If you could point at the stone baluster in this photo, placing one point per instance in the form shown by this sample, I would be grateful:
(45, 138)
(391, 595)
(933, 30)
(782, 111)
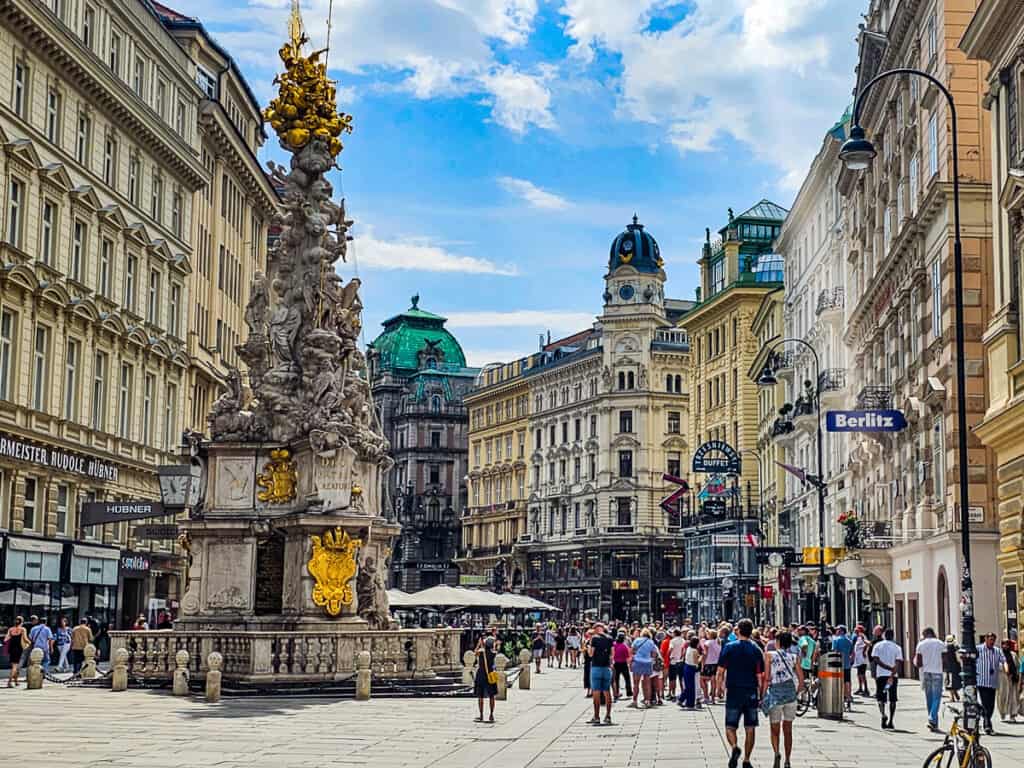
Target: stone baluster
(363, 676)
(213, 664)
(89, 664)
(181, 674)
(524, 669)
(500, 663)
(34, 673)
(468, 662)
(119, 674)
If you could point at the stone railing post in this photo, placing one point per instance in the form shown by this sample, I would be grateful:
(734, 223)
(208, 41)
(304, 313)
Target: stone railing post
(181, 673)
(363, 676)
(524, 669)
(34, 674)
(468, 662)
(119, 674)
(500, 662)
(213, 664)
(89, 664)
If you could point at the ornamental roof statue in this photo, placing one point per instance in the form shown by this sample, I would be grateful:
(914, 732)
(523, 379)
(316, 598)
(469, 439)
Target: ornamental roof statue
(307, 379)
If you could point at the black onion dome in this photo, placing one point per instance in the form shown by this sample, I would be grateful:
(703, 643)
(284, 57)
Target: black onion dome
(637, 248)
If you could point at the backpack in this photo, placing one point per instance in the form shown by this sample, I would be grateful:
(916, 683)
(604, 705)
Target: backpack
(658, 663)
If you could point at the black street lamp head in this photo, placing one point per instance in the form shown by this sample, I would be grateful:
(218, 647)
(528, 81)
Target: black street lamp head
(767, 377)
(857, 152)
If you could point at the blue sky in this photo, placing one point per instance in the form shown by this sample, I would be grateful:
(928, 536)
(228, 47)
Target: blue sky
(500, 145)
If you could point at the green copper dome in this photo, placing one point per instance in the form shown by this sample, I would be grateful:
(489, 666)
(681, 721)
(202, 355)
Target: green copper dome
(416, 340)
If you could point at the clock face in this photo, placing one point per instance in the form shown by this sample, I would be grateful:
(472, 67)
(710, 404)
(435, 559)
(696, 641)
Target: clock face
(627, 245)
(626, 292)
(775, 559)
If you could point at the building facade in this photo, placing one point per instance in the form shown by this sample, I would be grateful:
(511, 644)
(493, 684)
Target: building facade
(737, 271)
(996, 36)
(418, 377)
(898, 245)
(101, 169)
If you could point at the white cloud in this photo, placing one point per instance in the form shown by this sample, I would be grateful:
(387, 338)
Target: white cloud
(774, 74)
(418, 254)
(533, 195)
(519, 100)
(559, 321)
(478, 358)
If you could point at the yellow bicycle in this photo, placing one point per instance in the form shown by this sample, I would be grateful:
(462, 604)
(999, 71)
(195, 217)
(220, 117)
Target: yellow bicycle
(962, 747)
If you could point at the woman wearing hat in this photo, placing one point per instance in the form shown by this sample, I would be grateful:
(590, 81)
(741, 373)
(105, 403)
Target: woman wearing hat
(951, 666)
(482, 685)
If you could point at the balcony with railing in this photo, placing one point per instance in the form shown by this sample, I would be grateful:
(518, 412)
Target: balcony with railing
(830, 302)
(832, 385)
(875, 396)
(669, 338)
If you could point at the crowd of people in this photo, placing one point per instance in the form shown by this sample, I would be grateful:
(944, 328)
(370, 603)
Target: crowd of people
(755, 671)
(62, 646)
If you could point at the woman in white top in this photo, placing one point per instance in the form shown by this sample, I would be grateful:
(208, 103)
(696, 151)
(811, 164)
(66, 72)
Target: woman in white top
(572, 644)
(786, 679)
(860, 660)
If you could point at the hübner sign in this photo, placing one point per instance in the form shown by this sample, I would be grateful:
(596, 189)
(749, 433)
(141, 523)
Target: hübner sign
(73, 463)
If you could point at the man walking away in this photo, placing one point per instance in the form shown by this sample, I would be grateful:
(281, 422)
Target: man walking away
(42, 638)
(990, 659)
(676, 649)
(742, 667)
(886, 656)
(843, 645)
(600, 651)
(928, 659)
(81, 636)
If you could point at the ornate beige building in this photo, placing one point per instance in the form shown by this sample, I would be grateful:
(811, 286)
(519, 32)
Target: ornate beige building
(102, 167)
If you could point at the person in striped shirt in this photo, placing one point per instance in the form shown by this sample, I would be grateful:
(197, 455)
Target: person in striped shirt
(990, 659)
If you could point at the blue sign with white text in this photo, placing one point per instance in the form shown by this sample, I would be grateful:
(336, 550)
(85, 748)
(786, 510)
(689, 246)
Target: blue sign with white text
(865, 421)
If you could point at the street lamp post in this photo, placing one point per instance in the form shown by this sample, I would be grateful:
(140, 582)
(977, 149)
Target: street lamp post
(858, 152)
(767, 379)
(760, 530)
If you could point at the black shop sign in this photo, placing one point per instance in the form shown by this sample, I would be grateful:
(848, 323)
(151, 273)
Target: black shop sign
(717, 456)
(99, 512)
(134, 563)
(63, 461)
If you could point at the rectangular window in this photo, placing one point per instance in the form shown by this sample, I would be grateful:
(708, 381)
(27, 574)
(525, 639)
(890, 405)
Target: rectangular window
(625, 421)
(133, 180)
(53, 116)
(673, 422)
(21, 80)
(156, 201)
(62, 510)
(625, 463)
(49, 229)
(565, 432)
(435, 439)
(593, 426)
(71, 355)
(139, 76)
(170, 407)
(82, 139)
(15, 200)
(153, 308)
(124, 403)
(173, 311)
(591, 466)
(131, 267)
(932, 35)
(148, 386)
(623, 511)
(936, 300)
(79, 242)
(913, 179)
(179, 118)
(99, 393)
(106, 254)
(88, 26)
(40, 368)
(674, 463)
(8, 332)
(939, 459)
(29, 516)
(114, 56)
(110, 162)
(435, 474)
(933, 144)
(161, 99)
(176, 219)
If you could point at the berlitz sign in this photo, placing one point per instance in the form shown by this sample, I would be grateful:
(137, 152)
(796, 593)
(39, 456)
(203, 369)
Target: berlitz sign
(99, 512)
(865, 421)
(62, 461)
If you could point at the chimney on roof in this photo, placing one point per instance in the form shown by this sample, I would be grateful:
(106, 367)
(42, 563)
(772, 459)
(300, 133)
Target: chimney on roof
(549, 335)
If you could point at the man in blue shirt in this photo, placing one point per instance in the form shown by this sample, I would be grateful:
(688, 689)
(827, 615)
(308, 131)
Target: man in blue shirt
(741, 666)
(42, 638)
(842, 643)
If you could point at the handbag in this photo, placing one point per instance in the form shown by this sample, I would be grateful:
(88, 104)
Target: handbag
(25, 641)
(492, 676)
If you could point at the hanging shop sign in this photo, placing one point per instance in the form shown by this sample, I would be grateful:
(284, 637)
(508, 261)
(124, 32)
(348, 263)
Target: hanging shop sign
(717, 456)
(63, 461)
(157, 531)
(99, 512)
(134, 563)
(630, 584)
(865, 421)
(671, 502)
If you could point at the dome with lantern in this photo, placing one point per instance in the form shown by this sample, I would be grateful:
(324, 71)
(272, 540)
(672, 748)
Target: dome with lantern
(637, 248)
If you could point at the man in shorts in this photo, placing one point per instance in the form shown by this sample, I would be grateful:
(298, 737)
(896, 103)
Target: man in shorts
(741, 668)
(888, 658)
(676, 648)
(808, 645)
(600, 650)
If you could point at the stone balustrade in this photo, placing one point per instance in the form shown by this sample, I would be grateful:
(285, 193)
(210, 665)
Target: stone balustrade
(258, 656)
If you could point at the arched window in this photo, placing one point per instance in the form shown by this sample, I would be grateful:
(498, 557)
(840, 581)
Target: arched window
(434, 510)
(622, 380)
(435, 403)
(632, 380)
(668, 383)
(679, 384)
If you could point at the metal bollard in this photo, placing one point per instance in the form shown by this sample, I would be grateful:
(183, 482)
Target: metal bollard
(213, 662)
(524, 669)
(500, 662)
(34, 673)
(119, 674)
(181, 673)
(363, 676)
(89, 665)
(830, 686)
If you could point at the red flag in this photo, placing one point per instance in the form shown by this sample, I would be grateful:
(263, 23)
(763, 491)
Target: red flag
(796, 472)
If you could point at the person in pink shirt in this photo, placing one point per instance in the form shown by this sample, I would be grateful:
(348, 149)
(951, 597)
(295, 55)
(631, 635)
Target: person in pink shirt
(712, 647)
(620, 665)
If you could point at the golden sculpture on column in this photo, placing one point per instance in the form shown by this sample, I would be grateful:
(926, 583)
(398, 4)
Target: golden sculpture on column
(333, 564)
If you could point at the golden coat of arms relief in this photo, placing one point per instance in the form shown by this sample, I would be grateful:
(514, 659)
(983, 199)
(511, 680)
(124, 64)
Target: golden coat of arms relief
(278, 478)
(333, 565)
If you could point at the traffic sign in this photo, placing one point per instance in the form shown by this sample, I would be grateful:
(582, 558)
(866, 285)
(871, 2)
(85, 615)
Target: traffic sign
(865, 421)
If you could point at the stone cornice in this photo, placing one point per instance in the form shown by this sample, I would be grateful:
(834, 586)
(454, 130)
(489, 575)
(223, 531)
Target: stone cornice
(230, 146)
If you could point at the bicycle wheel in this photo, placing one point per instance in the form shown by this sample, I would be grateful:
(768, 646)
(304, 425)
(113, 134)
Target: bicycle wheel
(982, 757)
(943, 757)
(803, 702)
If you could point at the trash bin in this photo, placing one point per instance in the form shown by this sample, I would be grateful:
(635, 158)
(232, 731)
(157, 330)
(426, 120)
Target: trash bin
(830, 686)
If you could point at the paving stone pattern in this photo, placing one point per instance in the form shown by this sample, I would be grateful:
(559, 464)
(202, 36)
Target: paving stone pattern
(545, 727)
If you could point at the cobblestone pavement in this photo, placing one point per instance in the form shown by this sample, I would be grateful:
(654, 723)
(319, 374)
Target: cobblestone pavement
(542, 728)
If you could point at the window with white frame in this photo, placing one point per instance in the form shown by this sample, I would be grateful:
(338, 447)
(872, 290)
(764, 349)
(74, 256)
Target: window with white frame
(114, 55)
(82, 138)
(156, 201)
(110, 161)
(29, 510)
(153, 305)
(939, 458)
(48, 231)
(139, 76)
(79, 242)
(160, 103)
(936, 299)
(72, 353)
(15, 201)
(20, 101)
(124, 403)
(99, 392)
(53, 104)
(106, 255)
(914, 324)
(134, 168)
(913, 178)
(148, 387)
(170, 408)
(933, 144)
(179, 118)
(932, 38)
(40, 368)
(176, 214)
(173, 309)
(89, 26)
(63, 492)
(8, 333)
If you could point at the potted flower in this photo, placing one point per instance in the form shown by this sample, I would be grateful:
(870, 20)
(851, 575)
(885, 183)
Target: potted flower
(851, 526)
